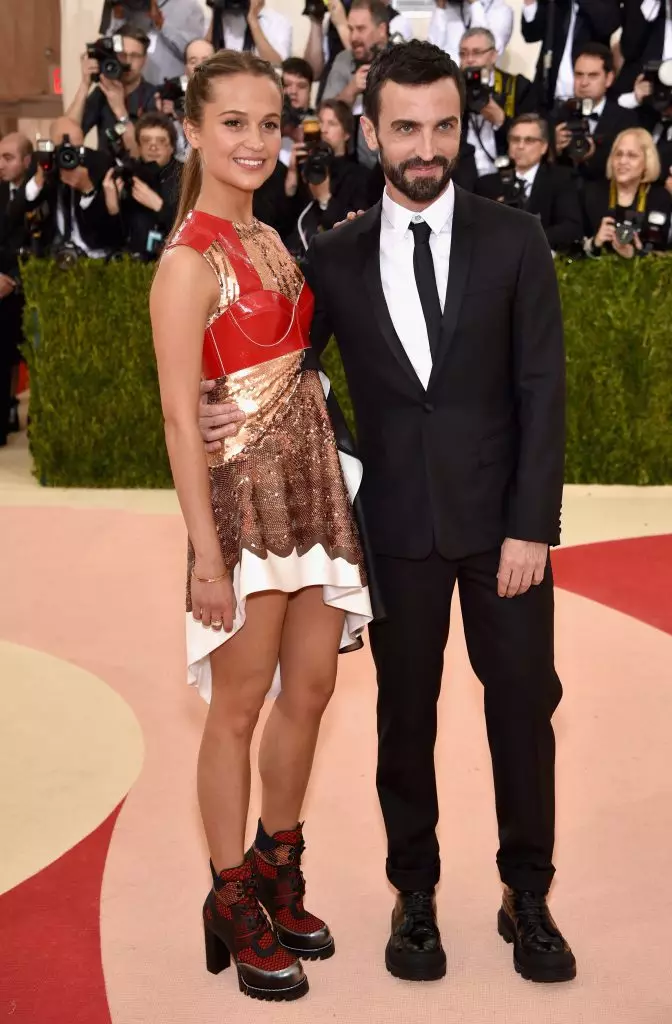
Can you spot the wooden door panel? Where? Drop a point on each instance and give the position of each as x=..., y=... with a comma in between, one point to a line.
x=31, y=38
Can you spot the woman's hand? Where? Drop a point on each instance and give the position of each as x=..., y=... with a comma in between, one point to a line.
x=628, y=251
x=111, y=189
x=213, y=604
x=606, y=232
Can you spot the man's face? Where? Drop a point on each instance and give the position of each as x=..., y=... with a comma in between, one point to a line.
x=155, y=145
x=133, y=54
x=418, y=136
x=297, y=90
x=12, y=165
x=526, y=146
x=591, y=81
x=197, y=52
x=365, y=34
x=477, y=52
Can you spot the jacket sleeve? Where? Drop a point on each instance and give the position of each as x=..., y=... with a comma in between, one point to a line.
x=321, y=328
x=567, y=221
x=539, y=384
x=604, y=17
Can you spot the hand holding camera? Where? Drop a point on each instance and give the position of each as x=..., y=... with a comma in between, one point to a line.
x=493, y=113
x=115, y=96
x=360, y=77
x=643, y=89
x=90, y=69
x=146, y=196
x=78, y=178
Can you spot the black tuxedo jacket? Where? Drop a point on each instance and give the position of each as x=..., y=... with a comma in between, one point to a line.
x=554, y=200
x=641, y=41
x=596, y=21
x=96, y=226
x=614, y=119
x=479, y=455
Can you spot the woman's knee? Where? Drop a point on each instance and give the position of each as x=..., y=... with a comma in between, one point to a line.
x=237, y=703
x=309, y=695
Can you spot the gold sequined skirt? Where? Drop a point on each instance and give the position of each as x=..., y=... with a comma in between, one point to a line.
x=278, y=487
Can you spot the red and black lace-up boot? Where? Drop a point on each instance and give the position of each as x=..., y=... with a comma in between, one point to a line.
x=236, y=926
x=277, y=865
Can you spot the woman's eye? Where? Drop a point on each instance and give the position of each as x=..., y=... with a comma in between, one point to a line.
x=233, y=123
x=272, y=126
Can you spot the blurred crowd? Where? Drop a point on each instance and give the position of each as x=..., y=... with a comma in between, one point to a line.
x=586, y=146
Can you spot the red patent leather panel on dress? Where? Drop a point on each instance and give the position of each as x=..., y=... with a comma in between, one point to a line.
x=261, y=324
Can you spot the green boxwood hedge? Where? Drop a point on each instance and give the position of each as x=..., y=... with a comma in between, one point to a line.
x=95, y=413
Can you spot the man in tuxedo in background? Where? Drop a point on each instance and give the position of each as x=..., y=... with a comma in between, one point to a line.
x=15, y=156
x=647, y=36
x=446, y=312
x=593, y=78
x=574, y=23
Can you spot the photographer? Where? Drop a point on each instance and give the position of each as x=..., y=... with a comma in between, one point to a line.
x=494, y=98
x=646, y=39
x=170, y=97
x=573, y=23
x=141, y=195
x=168, y=24
x=297, y=82
x=250, y=25
x=584, y=141
x=628, y=213
x=452, y=18
x=651, y=103
x=65, y=208
x=15, y=157
x=368, y=27
x=536, y=186
x=116, y=102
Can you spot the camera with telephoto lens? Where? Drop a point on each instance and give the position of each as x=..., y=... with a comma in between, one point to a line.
x=477, y=81
x=317, y=163
x=175, y=89
x=512, y=188
x=231, y=6
x=626, y=226
x=106, y=51
x=659, y=74
x=575, y=114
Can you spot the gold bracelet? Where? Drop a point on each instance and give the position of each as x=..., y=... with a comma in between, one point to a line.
x=215, y=579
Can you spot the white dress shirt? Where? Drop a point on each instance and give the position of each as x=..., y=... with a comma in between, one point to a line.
x=528, y=177
x=448, y=24
x=398, y=277
x=275, y=26
x=564, y=86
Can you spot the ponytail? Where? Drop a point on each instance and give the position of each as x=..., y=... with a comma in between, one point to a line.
x=190, y=187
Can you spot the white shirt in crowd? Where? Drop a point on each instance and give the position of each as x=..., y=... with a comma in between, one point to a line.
x=564, y=86
x=527, y=177
x=396, y=270
x=448, y=24
x=481, y=135
x=32, y=192
x=275, y=26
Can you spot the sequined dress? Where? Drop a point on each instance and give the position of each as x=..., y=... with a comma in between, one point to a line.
x=281, y=490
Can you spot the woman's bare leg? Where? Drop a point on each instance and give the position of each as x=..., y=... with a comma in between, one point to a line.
x=308, y=658
x=242, y=673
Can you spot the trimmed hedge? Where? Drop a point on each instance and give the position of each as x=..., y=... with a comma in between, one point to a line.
x=95, y=413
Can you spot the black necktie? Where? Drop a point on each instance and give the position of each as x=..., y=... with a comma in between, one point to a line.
x=425, y=279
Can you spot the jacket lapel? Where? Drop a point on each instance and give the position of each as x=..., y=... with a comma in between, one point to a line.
x=369, y=246
x=458, y=275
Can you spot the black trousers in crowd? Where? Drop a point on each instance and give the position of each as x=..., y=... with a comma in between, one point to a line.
x=11, y=336
x=510, y=645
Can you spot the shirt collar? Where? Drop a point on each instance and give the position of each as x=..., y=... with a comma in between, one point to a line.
x=529, y=175
x=598, y=109
x=439, y=215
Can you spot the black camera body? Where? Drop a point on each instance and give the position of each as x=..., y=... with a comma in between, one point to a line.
x=147, y=171
x=575, y=114
x=106, y=51
x=477, y=81
x=316, y=165
x=627, y=225
x=659, y=74
x=175, y=89
x=512, y=188
x=232, y=6
x=64, y=157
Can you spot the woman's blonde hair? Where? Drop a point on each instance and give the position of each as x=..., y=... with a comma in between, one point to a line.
x=651, y=158
x=222, y=64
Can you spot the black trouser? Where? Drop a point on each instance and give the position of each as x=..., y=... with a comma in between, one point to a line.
x=510, y=644
x=11, y=336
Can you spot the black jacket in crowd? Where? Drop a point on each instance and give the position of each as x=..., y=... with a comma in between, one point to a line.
x=596, y=206
x=93, y=222
x=130, y=228
x=554, y=199
x=350, y=183
x=641, y=41
x=614, y=119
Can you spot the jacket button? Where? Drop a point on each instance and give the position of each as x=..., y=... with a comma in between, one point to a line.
x=428, y=407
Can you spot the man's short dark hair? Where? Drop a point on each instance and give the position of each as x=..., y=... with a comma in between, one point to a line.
x=342, y=113
x=414, y=63
x=378, y=10
x=532, y=119
x=129, y=31
x=299, y=67
x=156, y=121
x=597, y=50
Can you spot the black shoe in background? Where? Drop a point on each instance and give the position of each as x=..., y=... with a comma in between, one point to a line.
x=540, y=952
x=414, y=951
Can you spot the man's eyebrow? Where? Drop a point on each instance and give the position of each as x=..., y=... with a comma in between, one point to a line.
x=407, y=120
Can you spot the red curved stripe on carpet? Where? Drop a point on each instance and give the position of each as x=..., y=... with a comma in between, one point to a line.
x=50, y=939
x=632, y=576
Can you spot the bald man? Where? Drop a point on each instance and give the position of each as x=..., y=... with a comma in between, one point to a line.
x=70, y=203
x=15, y=156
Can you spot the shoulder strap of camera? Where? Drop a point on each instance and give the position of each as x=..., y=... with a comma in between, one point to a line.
x=642, y=193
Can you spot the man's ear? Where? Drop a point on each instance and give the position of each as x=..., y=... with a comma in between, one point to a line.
x=369, y=134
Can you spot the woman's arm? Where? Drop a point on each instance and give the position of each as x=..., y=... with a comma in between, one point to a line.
x=183, y=295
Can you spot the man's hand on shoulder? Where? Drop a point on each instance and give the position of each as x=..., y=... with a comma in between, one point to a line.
x=217, y=421
x=351, y=216
x=522, y=565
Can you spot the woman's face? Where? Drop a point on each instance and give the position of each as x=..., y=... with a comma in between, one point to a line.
x=239, y=136
x=629, y=161
x=332, y=132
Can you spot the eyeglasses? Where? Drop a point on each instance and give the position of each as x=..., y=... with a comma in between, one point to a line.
x=464, y=54
x=525, y=140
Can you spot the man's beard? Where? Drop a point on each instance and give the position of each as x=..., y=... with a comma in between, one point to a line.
x=418, y=190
